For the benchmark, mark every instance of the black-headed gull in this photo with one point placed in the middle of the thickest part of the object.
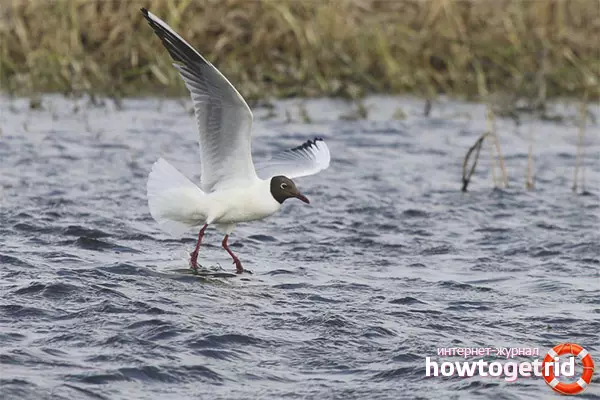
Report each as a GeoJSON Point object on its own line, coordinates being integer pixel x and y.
{"type": "Point", "coordinates": [231, 190]}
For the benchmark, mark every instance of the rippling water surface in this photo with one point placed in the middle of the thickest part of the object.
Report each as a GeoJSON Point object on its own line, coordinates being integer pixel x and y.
{"type": "Point", "coordinates": [349, 294]}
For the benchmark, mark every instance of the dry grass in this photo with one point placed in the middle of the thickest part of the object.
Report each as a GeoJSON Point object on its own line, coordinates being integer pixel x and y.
{"type": "Point", "coordinates": [491, 123]}
{"type": "Point", "coordinates": [529, 49]}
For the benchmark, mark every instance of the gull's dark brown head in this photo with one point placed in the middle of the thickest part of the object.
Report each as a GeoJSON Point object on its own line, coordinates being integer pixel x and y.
{"type": "Point", "coordinates": [283, 188]}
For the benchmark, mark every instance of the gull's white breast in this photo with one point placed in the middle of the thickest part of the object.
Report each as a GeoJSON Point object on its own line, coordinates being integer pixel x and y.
{"type": "Point", "coordinates": [240, 204]}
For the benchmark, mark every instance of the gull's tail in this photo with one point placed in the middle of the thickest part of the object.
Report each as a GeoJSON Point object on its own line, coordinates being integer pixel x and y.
{"type": "Point", "coordinates": [173, 199]}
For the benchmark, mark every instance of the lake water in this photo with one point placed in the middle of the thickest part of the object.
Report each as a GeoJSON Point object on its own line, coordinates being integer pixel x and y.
{"type": "Point", "coordinates": [388, 263]}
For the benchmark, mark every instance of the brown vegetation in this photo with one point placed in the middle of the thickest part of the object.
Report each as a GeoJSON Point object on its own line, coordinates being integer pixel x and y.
{"type": "Point", "coordinates": [528, 49]}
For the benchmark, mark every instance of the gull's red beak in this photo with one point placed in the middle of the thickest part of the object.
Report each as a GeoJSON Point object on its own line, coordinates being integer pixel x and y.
{"type": "Point", "coordinates": [300, 196]}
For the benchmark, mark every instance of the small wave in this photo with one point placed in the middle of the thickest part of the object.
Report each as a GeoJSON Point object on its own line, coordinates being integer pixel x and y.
{"type": "Point", "coordinates": [279, 272]}
{"type": "Point", "coordinates": [56, 290]}
{"type": "Point", "coordinates": [231, 339]}
{"type": "Point", "coordinates": [61, 256]}
{"type": "Point", "coordinates": [136, 236]}
{"type": "Point", "coordinates": [407, 301]}
{"type": "Point", "coordinates": [16, 311]}
{"type": "Point", "coordinates": [19, 389]}
{"type": "Point", "coordinates": [291, 286]}
{"type": "Point", "coordinates": [54, 352]}
{"type": "Point", "coordinates": [395, 374]}
{"type": "Point", "coordinates": [8, 337]}
{"type": "Point", "coordinates": [414, 213]}
{"type": "Point", "coordinates": [11, 260]}
{"type": "Point", "coordinates": [546, 286]}
{"type": "Point", "coordinates": [461, 307]}
{"type": "Point", "coordinates": [150, 373]}
{"type": "Point", "coordinates": [25, 227]}
{"type": "Point", "coordinates": [327, 320]}
{"type": "Point", "coordinates": [124, 269]}
{"type": "Point", "coordinates": [493, 229]}
{"type": "Point", "coordinates": [101, 290]}
{"type": "Point", "coordinates": [58, 202]}
{"type": "Point", "coordinates": [155, 329]}
{"type": "Point", "coordinates": [378, 331]}
{"type": "Point", "coordinates": [407, 357]}
{"type": "Point", "coordinates": [590, 261]}
{"type": "Point", "coordinates": [218, 354]}
{"type": "Point", "coordinates": [321, 299]}
{"type": "Point", "coordinates": [76, 230]}
{"type": "Point", "coordinates": [100, 245]}
{"type": "Point", "coordinates": [424, 311]}
{"type": "Point", "coordinates": [263, 238]}
{"type": "Point", "coordinates": [437, 250]}
{"type": "Point", "coordinates": [348, 287]}
{"type": "Point", "coordinates": [20, 216]}
{"type": "Point", "coordinates": [34, 358]}
{"type": "Point", "coordinates": [68, 392]}
{"type": "Point", "coordinates": [463, 286]}
{"type": "Point", "coordinates": [545, 253]}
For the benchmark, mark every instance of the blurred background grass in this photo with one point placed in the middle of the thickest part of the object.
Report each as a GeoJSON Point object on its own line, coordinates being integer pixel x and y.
{"type": "Point", "coordinates": [275, 48]}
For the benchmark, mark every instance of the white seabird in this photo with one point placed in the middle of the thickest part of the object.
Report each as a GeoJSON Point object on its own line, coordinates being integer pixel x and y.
{"type": "Point", "coordinates": [231, 190]}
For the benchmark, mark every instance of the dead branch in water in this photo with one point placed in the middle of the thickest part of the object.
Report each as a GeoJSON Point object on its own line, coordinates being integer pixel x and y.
{"type": "Point", "coordinates": [466, 178]}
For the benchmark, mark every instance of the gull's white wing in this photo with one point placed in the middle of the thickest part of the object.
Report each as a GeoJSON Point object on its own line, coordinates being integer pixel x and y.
{"type": "Point", "coordinates": [224, 119]}
{"type": "Point", "coordinates": [307, 159]}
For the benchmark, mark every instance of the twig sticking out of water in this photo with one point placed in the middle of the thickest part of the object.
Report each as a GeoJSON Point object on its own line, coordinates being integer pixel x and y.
{"type": "Point", "coordinates": [271, 113]}
{"type": "Point", "coordinates": [492, 128]}
{"type": "Point", "coordinates": [529, 184]}
{"type": "Point", "coordinates": [466, 177]}
{"type": "Point", "coordinates": [35, 103]}
{"type": "Point", "coordinates": [493, 161]}
{"type": "Point", "coordinates": [361, 112]}
{"type": "Point", "coordinates": [304, 113]}
{"type": "Point", "coordinates": [399, 114]}
{"type": "Point", "coordinates": [579, 157]}
{"type": "Point", "coordinates": [427, 108]}
{"type": "Point", "coordinates": [86, 122]}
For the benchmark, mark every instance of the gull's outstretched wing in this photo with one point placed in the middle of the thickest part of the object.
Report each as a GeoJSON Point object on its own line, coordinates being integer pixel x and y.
{"type": "Point", "coordinates": [307, 159]}
{"type": "Point", "coordinates": [224, 119]}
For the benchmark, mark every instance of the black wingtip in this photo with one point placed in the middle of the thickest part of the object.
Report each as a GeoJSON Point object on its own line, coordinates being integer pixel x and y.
{"type": "Point", "coordinates": [309, 143]}
{"type": "Point", "coordinates": [145, 12]}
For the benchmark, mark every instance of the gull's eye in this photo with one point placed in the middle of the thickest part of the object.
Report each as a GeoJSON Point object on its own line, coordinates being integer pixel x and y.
{"type": "Point", "coordinates": [283, 185]}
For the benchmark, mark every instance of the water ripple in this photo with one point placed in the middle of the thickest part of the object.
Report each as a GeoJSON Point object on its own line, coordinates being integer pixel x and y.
{"type": "Point", "coordinates": [389, 262]}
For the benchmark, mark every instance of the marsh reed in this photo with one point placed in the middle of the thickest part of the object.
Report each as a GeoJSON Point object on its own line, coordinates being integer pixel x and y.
{"type": "Point", "coordinates": [583, 116]}
{"type": "Point", "coordinates": [529, 173]}
{"type": "Point", "coordinates": [278, 48]}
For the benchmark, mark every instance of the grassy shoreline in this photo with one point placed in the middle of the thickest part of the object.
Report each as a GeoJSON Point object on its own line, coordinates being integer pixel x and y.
{"type": "Point", "coordinates": [534, 50]}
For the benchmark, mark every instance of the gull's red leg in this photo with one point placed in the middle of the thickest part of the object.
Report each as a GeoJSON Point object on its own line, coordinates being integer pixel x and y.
{"type": "Point", "coordinates": [194, 254]}
{"type": "Point", "coordinates": [236, 261]}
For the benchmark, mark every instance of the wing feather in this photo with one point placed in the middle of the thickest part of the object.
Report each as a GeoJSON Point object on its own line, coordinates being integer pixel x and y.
{"type": "Point", "coordinates": [307, 159]}
{"type": "Point", "coordinates": [223, 116]}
